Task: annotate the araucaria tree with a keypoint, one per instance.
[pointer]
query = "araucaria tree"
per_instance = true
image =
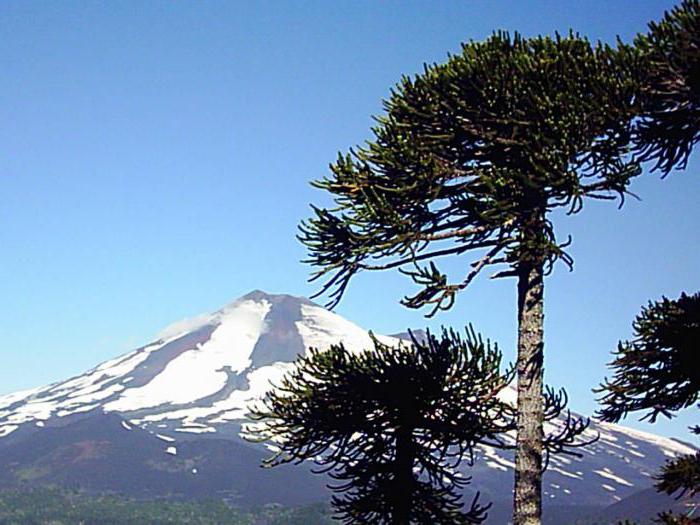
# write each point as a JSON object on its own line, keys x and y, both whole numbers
{"x": 657, "y": 373}
{"x": 669, "y": 97}
{"x": 469, "y": 159}
{"x": 392, "y": 424}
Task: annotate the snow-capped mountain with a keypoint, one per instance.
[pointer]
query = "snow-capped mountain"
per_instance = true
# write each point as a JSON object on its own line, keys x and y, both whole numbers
{"x": 199, "y": 376}
{"x": 172, "y": 411}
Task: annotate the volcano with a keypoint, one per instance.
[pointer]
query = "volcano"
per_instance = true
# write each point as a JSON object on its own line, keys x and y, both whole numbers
{"x": 165, "y": 419}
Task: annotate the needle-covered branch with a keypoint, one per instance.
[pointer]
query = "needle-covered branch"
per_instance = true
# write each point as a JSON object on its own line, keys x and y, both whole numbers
{"x": 669, "y": 123}
{"x": 680, "y": 476}
{"x": 398, "y": 420}
{"x": 467, "y": 150}
{"x": 656, "y": 373}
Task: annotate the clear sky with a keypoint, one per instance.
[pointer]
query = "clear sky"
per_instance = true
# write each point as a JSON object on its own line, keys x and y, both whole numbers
{"x": 155, "y": 160}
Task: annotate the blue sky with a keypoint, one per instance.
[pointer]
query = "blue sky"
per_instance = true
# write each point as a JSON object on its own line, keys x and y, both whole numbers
{"x": 155, "y": 160}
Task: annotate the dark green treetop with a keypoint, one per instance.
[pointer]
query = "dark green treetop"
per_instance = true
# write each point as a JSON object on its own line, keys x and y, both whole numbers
{"x": 656, "y": 372}
{"x": 669, "y": 99}
{"x": 392, "y": 424}
{"x": 471, "y": 155}
{"x": 681, "y": 476}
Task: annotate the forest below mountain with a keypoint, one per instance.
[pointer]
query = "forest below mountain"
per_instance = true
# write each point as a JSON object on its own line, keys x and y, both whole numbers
{"x": 55, "y": 507}
{"x": 49, "y": 506}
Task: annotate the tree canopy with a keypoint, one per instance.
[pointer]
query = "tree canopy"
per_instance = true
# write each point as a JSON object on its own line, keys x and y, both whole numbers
{"x": 471, "y": 156}
{"x": 668, "y": 123}
{"x": 392, "y": 424}
{"x": 656, "y": 372}
{"x": 467, "y": 151}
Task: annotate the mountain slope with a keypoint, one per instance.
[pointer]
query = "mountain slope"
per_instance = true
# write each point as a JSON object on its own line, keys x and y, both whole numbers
{"x": 95, "y": 453}
{"x": 199, "y": 375}
{"x": 177, "y": 405}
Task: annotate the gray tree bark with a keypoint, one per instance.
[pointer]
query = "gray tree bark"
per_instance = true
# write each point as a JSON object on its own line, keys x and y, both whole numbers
{"x": 527, "y": 504}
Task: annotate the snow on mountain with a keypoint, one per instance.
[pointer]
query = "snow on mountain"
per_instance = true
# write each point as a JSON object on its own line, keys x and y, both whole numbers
{"x": 200, "y": 374}
{"x": 197, "y": 379}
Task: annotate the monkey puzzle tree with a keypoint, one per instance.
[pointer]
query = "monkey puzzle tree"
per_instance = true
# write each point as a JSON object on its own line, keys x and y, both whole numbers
{"x": 392, "y": 424}
{"x": 669, "y": 98}
{"x": 470, "y": 157}
{"x": 657, "y": 373}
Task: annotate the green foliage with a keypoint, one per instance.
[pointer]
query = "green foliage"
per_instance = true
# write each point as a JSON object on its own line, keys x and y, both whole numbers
{"x": 393, "y": 423}
{"x": 278, "y": 515}
{"x": 681, "y": 475}
{"x": 669, "y": 98}
{"x": 656, "y": 372}
{"x": 54, "y": 507}
{"x": 471, "y": 155}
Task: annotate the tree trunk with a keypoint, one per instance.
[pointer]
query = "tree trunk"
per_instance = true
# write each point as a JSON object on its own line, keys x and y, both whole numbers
{"x": 403, "y": 488}
{"x": 527, "y": 504}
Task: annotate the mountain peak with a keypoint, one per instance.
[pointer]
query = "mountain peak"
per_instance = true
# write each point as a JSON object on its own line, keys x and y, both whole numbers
{"x": 261, "y": 295}
{"x": 191, "y": 324}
